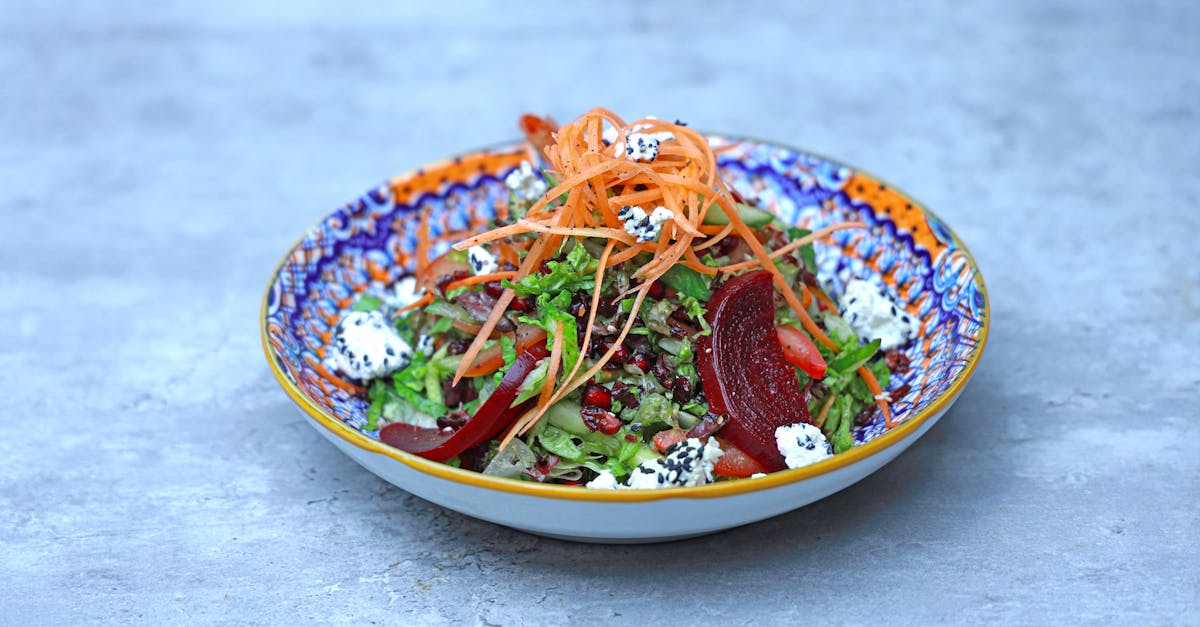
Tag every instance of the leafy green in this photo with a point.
(508, 349)
(655, 316)
(696, 310)
(532, 385)
(420, 383)
(849, 361)
(560, 443)
(807, 253)
(512, 461)
(389, 403)
(656, 408)
(839, 423)
(577, 272)
(440, 327)
(367, 303)
(445, 309)
(548, 315)
(839, 331)
(687, 281)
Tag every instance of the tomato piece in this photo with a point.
(733, 463)
(736, 463)
(801, 351)
(538, 130)
(445, 266)
(664, 440)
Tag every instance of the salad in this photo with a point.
(626, 320)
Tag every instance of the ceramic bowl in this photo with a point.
(368, 244)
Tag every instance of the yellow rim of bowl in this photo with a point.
(578, 493)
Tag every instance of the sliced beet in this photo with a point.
(493, 416)
(743, 369)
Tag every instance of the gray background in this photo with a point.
(155, 163)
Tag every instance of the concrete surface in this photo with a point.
(156, 162)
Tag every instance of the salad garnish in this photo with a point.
(626, 321)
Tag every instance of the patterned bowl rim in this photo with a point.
(577, 493)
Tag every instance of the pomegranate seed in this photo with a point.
(597, 395)
(493, 289)
(609, 424)
(520, 303)
(642, 361)
(545, 267)
(600, 419)
(620, 355)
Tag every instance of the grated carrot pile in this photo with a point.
(597, 180)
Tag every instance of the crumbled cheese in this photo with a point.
(873, 315)
(645, 227)
(366, 346)
(641, 146)
(526, 182)
(482, 261)
(425, 345)
(758, 475)
(688, 463)
(404, 294)
(802, 444)
(609, 135)
(606, 480)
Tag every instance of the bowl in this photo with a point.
(365, 246)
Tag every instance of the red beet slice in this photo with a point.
(743, 369)
(494, 416)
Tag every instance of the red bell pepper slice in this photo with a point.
(494, 416)
(743, 369)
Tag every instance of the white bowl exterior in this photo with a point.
(628, 522)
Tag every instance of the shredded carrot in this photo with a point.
(873, 384)
(819, 421)
(552, 368)
(420, 302)
(480, 278)
(596, 181)
(793, 245)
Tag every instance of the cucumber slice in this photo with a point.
(750, 215)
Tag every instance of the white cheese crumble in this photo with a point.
(645, 227)
(404, 294)
(802, 444)
(425, 345)
(482, 261)
(609, 135)
(526, 182)
(873, 315)
(641, 146)
(638, 146)
(758, 475)
(688, 463)
(606, 480)
(366, 346)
